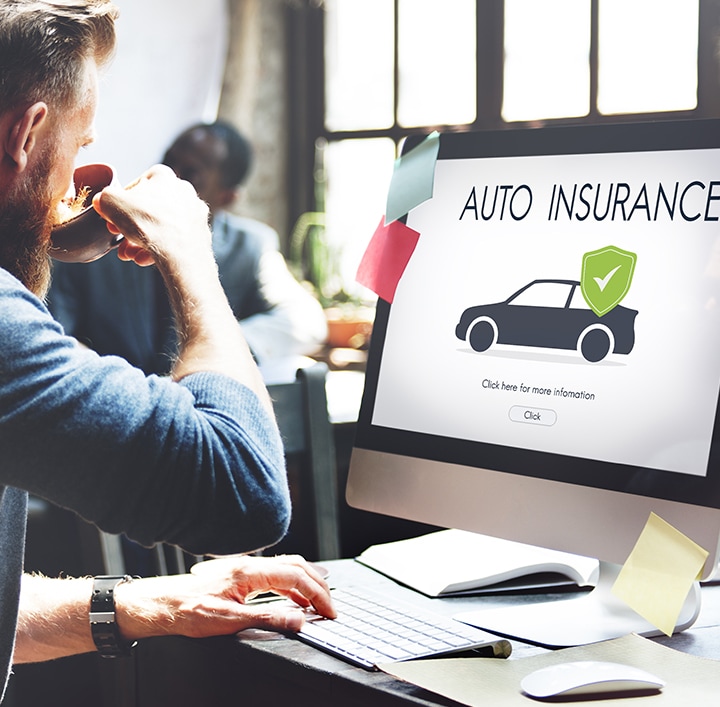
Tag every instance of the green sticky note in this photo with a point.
(412, 179)
(659, 572)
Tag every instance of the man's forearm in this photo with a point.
(209, 337)
(165, 223)
(54, 619)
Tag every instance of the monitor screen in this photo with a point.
(549, 369)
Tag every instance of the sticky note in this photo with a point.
(386, 258)
(413, 178)
(659, 572)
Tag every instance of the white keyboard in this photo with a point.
(372, 628)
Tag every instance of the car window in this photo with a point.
(543, 294)
(578, 301)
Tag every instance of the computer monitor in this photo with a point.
(548, 371)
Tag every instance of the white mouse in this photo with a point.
(587, 677)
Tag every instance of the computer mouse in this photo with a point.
(588, 677)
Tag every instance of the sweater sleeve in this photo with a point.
(197, 463)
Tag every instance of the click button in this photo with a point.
(533, 416)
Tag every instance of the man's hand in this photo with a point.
(211, 600)
(160, 216)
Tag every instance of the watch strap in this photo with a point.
(104, 629)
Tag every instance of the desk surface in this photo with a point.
(306, 670)
(263, 668)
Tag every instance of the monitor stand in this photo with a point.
(596, 616)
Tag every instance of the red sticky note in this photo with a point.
(386, 258)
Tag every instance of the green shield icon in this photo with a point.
(606, 277)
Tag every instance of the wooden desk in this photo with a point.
(262, 668)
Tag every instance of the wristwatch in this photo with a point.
(105, 632)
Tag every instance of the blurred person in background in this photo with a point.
(115, 308)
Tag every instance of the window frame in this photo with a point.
(306, 88)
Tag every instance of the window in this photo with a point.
(648, 56)
(397, 67)
(546, 73)
(380, 75)
(437, 83)
(433, 53)
(359, 38)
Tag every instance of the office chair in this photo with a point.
(302, 415)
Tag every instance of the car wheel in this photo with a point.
(595, 343)
(482, 335)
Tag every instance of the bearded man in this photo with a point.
(193, 459)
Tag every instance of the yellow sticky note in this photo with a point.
(659, 572)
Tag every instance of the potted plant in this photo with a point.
(315, 261)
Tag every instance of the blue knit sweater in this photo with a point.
(197, 463)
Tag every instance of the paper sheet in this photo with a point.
(412, 179)
(491, 682)
(657, 576)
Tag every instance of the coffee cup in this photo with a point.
(85, 237)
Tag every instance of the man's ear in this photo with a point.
(22, 136)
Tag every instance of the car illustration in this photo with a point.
(550, 314)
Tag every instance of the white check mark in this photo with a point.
(603, 281)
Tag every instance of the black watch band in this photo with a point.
(105, 632)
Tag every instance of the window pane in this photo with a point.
(359, 64)
(358, 175)
(547, 59)
(647, 55)
(436, 62)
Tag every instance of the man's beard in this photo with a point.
(26, 218)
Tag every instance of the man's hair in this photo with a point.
(235, 168)
(44, 46)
